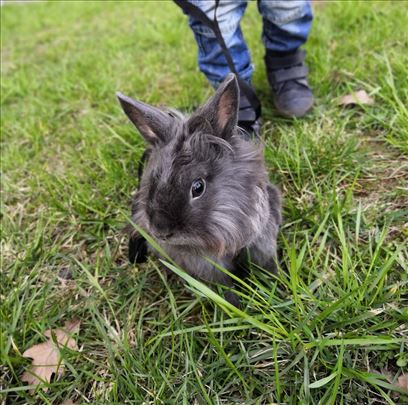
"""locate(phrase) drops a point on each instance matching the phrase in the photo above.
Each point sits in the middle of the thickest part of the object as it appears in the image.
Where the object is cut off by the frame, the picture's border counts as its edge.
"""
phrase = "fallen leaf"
(402, 381)
(359, 97)
(68, 402)
(47, 357)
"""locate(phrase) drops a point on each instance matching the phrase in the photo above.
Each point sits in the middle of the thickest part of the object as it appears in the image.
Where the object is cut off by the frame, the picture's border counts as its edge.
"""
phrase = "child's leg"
(211, 60)
(286, 24)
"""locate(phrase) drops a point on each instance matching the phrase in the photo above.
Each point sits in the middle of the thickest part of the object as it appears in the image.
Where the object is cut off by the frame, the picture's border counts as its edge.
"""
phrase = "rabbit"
(205, 191)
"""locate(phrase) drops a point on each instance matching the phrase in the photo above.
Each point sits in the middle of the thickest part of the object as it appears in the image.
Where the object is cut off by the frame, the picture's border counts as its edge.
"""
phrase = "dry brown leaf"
(359, 97)
(68, 402)
(402, 382)
(47, 357)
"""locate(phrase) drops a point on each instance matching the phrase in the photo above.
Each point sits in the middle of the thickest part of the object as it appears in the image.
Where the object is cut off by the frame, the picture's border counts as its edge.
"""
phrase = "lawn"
(331, 327)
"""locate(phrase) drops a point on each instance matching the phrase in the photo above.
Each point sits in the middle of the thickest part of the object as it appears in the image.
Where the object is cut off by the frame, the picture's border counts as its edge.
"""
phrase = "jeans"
(286, 25)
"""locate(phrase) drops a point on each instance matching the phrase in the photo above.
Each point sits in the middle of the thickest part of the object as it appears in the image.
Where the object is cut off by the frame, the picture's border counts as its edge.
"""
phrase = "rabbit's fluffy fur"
(238, 214)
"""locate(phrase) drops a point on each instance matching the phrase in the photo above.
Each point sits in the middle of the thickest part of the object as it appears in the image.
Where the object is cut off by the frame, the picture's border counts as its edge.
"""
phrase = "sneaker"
(287, 76)
(248, 118)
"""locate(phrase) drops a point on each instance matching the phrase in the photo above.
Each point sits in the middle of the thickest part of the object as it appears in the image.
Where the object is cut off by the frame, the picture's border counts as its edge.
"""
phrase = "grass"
(330, 327)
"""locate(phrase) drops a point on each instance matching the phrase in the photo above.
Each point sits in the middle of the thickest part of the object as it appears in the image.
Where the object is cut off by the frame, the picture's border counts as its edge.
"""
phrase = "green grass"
(329, 327)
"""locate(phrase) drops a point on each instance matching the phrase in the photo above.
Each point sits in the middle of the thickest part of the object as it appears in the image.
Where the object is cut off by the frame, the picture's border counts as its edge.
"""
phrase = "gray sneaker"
(248, 119)
(287, 76)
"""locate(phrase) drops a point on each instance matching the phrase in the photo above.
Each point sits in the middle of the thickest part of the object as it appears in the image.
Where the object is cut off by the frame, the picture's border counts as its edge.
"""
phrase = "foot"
(247, 117)
(232, 298)
(287, 76)
(137, 249)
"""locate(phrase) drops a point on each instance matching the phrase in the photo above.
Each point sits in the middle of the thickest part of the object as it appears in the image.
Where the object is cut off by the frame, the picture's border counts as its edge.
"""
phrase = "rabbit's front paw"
(137, 249)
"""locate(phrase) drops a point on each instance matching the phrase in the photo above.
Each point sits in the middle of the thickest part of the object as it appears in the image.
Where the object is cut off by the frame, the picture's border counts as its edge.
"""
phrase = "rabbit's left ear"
(151, 122)
(221, 110)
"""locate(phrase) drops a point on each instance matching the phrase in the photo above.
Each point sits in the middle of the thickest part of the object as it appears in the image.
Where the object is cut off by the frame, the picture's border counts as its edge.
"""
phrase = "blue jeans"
(286, 25)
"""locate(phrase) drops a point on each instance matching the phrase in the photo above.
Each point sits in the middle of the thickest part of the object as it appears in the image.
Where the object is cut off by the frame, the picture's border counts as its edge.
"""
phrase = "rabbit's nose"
(163, 224)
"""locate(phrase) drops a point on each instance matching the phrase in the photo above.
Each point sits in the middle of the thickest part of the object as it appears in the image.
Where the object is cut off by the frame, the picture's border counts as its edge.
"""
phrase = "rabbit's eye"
(197, 188)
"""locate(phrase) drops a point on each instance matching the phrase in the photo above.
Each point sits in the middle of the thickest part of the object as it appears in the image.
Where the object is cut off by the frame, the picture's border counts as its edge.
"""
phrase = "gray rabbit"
(205, 191)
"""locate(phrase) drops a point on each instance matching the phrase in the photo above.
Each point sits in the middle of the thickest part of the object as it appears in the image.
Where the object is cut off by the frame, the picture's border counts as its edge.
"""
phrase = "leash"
(197, 13)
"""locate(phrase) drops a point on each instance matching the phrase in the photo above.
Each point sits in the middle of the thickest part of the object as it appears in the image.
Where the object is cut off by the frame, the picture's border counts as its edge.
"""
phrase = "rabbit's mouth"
(164, 237)
(191, 244)
(213, 243)
(172, 239)
(168, 238)
(178, 240)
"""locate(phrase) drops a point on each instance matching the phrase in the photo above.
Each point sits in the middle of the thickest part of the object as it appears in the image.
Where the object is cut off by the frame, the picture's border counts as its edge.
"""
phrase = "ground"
(329, 327)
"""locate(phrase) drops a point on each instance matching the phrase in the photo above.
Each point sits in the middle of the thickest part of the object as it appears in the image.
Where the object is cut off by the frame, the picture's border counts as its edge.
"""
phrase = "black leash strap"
(194, 11)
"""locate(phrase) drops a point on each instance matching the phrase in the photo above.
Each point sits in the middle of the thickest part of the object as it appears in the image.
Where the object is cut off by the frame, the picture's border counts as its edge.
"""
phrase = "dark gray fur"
(239, 211)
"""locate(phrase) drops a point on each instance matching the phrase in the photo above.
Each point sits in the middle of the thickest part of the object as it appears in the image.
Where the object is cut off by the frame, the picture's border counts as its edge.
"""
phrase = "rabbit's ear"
(221, 110)
(150, 121)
